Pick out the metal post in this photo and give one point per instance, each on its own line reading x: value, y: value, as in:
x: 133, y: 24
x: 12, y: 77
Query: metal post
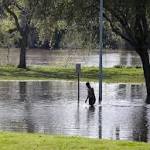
x: 78, y: 87
x: 78, y: 71
x: 100, y: 52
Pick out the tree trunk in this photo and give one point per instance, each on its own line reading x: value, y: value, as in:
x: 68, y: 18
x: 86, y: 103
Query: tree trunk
x: 23, y: 46
x: 57, y: 38
x: 146, y: 68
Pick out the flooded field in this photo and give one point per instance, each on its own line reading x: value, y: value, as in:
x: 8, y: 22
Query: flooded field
x: 71, y: 57
x: 51, y: 107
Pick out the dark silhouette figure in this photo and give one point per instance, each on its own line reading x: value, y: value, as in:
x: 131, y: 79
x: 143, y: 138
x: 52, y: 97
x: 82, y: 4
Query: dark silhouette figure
x: 91, y: 95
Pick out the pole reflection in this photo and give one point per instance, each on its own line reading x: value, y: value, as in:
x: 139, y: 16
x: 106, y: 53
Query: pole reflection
x: 100, y: 122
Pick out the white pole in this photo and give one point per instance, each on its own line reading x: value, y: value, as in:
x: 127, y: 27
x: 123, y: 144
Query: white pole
x: 100, y: 52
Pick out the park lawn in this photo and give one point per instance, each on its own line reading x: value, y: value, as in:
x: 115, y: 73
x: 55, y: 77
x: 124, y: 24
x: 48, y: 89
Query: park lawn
x: 24, y: 141
x: 112, y: 75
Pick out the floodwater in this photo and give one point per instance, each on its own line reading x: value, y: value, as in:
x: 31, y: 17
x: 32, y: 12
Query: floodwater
x: 51, y: 107
x: 70, y: 57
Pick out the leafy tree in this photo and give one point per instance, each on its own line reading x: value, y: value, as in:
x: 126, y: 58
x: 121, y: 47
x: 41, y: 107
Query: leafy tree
x: 25, y: 13
x: 129, y: 19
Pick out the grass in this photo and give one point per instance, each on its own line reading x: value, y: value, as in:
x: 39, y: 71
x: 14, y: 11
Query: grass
x: 23, y: 141
x: 121, y: 74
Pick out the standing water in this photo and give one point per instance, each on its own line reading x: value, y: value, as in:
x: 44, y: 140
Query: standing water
x: 111, y: 58
x: 51, y: 107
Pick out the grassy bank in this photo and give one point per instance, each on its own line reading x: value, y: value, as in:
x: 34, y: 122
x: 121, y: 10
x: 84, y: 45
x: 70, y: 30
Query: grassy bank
x: 16, y: 141
x: 88, y: 73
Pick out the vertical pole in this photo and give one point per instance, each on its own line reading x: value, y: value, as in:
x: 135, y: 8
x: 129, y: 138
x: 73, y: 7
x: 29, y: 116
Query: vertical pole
x: 78, y: 71
x: 78, y: 87
x: 101, y: 48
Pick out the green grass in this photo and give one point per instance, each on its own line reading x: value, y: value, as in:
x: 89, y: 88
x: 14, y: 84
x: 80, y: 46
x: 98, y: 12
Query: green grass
x: 22, y: 141
x: 88, y: 73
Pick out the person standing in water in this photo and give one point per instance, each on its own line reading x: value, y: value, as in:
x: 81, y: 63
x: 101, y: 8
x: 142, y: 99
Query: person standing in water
x: 91, y: 95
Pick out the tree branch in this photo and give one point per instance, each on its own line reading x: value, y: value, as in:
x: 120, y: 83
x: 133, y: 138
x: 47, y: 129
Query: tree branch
x: 13, y: 15
x: 118, y: 32
x: 12, y: 30
x: 33, y: 9
x: 124, y: 23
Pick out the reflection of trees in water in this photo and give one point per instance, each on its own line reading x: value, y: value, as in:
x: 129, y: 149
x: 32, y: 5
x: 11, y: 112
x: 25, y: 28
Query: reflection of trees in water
x: 130, y: 92
x: 14, y: 97
x: 136, y: 91
x: 122, y: 91
x: 120, y: 122
x: 6, y: 91
x: 125, y: 123
x: 45, y: 90
x: 140, y: 132
x: 147, y: 121
x: 28, y: 108
x: 40, y: 91
x: 9, y: 96
x: 23, y: 91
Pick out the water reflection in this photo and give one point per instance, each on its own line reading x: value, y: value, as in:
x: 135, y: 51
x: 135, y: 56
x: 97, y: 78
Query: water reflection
x: 147, y: 121
x: 27, y: 107
x: 130, y: 92
x: 51, y: 107
x: 64, y: 57
x: 125, y: 123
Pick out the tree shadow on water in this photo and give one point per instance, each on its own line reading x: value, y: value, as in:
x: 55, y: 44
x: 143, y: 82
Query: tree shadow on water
x: 28, y: 107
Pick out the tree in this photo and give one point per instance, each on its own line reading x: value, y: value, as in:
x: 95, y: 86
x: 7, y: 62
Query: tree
x: 22, y: 19
x: 24, y: 14
x: 7, y: 38
x: 129, y: 19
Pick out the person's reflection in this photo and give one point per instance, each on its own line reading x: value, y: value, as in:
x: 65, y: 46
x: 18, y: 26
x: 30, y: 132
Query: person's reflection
x: 91, y: 111
x: 90, y: 118
x: 90, y: 114
x: 24, y: 98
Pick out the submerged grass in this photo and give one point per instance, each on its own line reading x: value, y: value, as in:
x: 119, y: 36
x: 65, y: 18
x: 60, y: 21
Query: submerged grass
x: 22, y: 141
x: 88, y: 73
